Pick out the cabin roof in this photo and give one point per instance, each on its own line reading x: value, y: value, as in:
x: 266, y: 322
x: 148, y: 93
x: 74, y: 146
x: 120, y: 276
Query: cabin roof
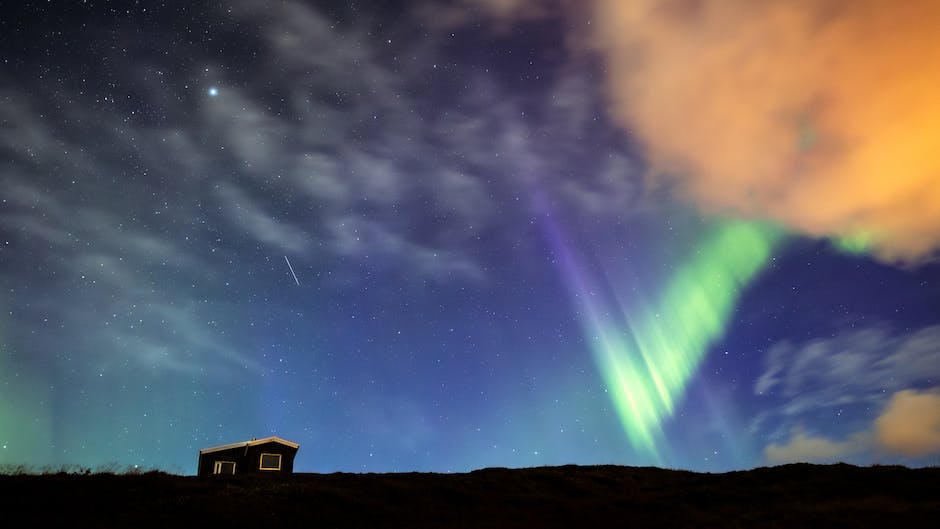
x: 253, y: 442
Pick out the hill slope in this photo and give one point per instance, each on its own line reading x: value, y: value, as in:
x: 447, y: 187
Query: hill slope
x: 571, y: 496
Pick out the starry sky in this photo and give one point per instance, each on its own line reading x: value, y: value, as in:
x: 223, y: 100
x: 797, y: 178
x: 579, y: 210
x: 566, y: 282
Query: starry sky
x: 446, y: 235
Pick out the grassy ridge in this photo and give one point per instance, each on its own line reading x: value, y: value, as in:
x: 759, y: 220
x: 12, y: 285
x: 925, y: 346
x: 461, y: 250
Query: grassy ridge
x: 571, y: 496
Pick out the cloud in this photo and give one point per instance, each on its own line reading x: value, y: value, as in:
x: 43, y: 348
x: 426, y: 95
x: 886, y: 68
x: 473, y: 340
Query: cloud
x: 360, y: 237
x: 852, y: 365
x: 246, y: 213
x: 155, y: 220
x: 254, y: 135
x: 815, y: 449
x: 318, y: 176
x: 116, y: 271
x: 614, y: 188
x: 502, y: 12
x: 910, y: 425
x: 26, y: 133
x: 462, y: 194
x: 510, y: 8
x: 845, y: 373
x: 821, y: 116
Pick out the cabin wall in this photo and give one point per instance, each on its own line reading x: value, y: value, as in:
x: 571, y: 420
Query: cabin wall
x: 247, y: 459
x: 207, y: 461
x: 287, y: 457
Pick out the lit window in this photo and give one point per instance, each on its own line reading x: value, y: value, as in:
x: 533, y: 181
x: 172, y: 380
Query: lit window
x: 224, y: 467
x: 270, y: 462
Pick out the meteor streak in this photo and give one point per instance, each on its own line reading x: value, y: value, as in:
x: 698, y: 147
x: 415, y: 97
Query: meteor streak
x: 292, y: 270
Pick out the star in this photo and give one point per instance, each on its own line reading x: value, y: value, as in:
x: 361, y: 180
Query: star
x: 213, y: 91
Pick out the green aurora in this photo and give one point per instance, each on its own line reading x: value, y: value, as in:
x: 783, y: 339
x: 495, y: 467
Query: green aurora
x: 856, y: 243
x: 646, y: 370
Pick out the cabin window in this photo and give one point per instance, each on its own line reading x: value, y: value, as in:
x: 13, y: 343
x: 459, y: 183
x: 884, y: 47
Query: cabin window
x: 224, y: 467
x: 270, y: 462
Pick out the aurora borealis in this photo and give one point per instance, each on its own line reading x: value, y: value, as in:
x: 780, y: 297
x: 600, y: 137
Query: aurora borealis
x: 647, y: 359
x: 447, y: 235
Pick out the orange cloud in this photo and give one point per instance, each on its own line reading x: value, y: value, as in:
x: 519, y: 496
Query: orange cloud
x: 822, y: 116
x: 815, y: 449
x: 910, y: 424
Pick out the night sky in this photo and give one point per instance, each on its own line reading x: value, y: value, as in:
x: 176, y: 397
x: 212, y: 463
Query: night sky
x: 441, y: 236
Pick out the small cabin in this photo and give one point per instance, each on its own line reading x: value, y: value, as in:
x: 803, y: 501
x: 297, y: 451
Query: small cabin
x: 271, y: 455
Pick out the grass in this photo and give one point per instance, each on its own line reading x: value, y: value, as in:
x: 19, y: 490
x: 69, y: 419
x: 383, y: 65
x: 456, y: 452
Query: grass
x: 569, y: 496
x: 107, y: 468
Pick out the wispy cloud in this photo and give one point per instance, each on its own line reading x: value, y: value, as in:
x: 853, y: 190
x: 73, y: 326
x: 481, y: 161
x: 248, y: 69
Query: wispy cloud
x: 360, y: 237
x: 119, y: 314
x: 502, y: 13
x: 248, y: 215
x: 27, y: 132
x: 334, y: 155
x: 319, y: 176
x: 255, y: 138
x: 853, y: 366
x: 393, y: 164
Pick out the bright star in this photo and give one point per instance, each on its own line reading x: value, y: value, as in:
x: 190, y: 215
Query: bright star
x: 213, y: 91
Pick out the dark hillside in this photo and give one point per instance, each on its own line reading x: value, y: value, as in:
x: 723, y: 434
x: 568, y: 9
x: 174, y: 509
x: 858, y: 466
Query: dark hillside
x: 570, y: 496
